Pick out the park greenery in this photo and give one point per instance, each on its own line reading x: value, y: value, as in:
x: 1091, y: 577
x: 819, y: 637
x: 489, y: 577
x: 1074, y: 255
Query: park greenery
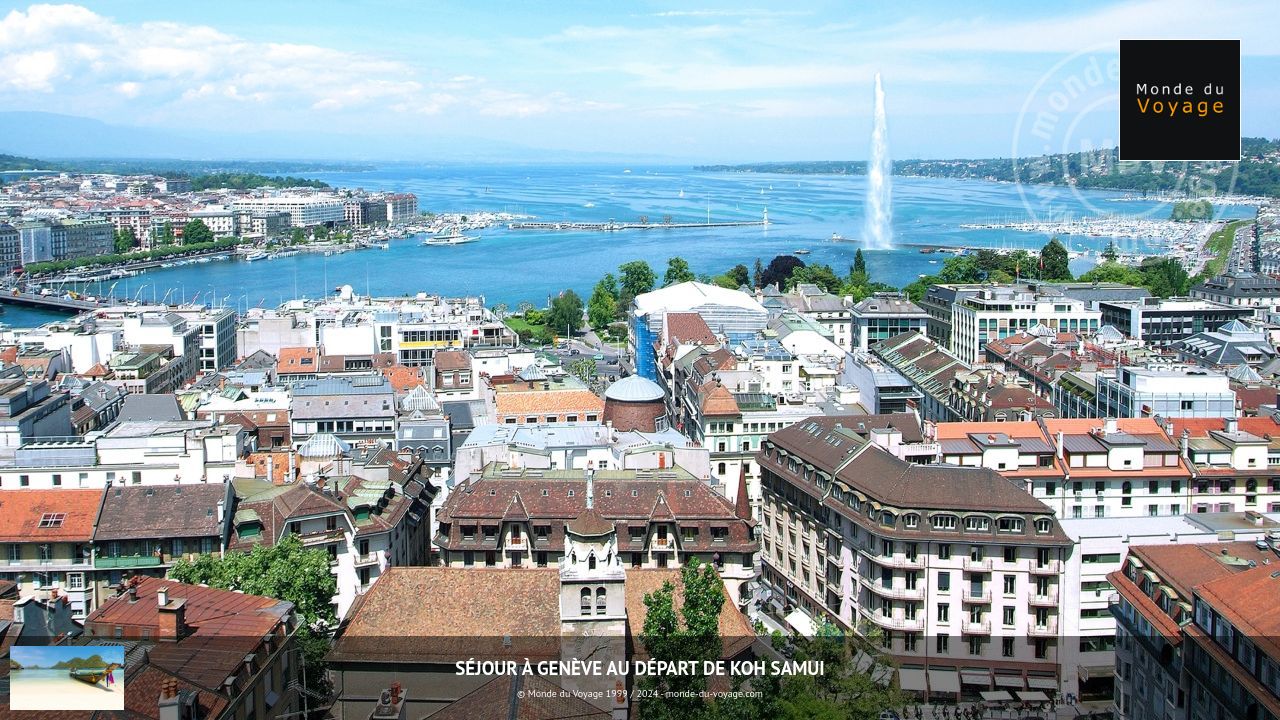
x: 249, y: 181
x: 160, y: 252
x: 288, y: 571
x: 1192, y: 210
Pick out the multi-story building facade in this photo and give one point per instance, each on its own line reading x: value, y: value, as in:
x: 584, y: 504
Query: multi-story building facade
x: 1229, y: 346
x: 1260, y: 293
x: 352, y: 408
x: 10, y: 248
x: 65, y: 238
x: 1163, y: 321
x: 1163, y: 390
x: 882, y: 316
x: 996, y: 312
x: 1194, y: 632
x: 365, y: 524
x: 929, y: 367
x: 957, y: 569
x: 516, y: 517
x: 828, y: 310
x: 401, y: 207
x: 48, y: 543
x: 304, y: 210
x: 1235, y: 463
x: 207, y: 653
x: 133, y: 216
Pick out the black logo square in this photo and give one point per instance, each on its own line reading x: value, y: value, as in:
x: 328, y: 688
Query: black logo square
x: 1179, y: 99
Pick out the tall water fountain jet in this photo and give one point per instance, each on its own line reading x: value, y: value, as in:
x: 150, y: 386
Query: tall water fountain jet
x: 877, y: 234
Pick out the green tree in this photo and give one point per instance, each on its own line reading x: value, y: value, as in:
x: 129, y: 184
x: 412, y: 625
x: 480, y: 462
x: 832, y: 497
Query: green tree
x: 779, y: 271
x: 739, y: 274
x: 668, y: 639
x: 321, y: 232
x: 286, y: 571
x: 859, y: 262
x: 196, y: 232
x: 602, y: 308
x: 166, y: 235
x: 637, y: 278
x: 1110, y: 254
x: 1054, y: 261
x: 584, y: 368
x: 565, y: 313
x: 297, y: 236
x: 1165, y: 277
x: 757, y: 274
x: 677, y: 272
x: 855, y: 682
x: 821, y: 275
x: 125, y: 241
x: 501, y: 310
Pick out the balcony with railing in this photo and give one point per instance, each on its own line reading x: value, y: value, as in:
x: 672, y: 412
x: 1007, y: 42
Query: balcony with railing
x: 981, y: 627
x: 1051, y: 567
x: 1048, y: 628
x: 896, y: 593
x: 663, y: 544
x: 974, y: 595
x: 897, y: 623
x: 983, y: 565
x: 1050, y: 600
x: 368, y: 559
x: 128, y: 561
x: 54, y: 563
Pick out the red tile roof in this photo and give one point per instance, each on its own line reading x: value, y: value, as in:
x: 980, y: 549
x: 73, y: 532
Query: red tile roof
x: 298, y: 360
x: 684, y: 328
x: 59, y: 514
x: 1200, y: 427
x: 403, y: 378
x: 452, y: 360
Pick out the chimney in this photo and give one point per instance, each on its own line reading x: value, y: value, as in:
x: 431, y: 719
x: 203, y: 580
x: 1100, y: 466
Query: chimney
x: 1232, y: 424
x: 173, y: 620
x: 391, y: 704
x: 1110, y: 426
x: 591, y: 486
x: 1058, y: 450
x: 170, y: 704
x: 133, y: 594
x: 162, y: 595
x: 222, y: 510
x: 1185, y: 443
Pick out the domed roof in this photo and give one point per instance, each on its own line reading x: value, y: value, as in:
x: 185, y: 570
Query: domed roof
x: 323, y: 445
x: 634, y: 389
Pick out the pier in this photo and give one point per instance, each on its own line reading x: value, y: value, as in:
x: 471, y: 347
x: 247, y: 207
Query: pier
x: 612, y: 226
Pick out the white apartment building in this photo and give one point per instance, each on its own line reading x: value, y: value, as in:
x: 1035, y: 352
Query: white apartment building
x: 997, y: 312
x: 131, y: 453
x: 304, y: 210
x: 222, y: 222
x: 1165, y: 391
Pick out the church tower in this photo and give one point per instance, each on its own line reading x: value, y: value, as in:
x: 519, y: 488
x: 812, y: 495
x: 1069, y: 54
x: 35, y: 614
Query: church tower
x: 593, y: 605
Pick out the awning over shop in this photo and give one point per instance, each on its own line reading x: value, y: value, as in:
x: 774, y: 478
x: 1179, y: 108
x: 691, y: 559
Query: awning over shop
x: 944, y: 681
x: 801, y: 623
x: 1033, y: 696
x: 1014, y: 681
x: 975, y: 677
x: 911, y: 679
x: 1044, y: 683
x: 996, y: 696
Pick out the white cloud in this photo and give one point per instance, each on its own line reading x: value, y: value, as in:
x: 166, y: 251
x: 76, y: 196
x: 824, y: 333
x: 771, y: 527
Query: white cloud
x: 202, y: 72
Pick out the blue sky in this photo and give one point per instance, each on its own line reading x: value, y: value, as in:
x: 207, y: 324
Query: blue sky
x: 47, y: 657
x: 688, y: 80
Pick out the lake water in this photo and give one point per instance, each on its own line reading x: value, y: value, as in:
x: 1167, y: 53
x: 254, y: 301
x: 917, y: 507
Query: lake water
x: 514, y: 265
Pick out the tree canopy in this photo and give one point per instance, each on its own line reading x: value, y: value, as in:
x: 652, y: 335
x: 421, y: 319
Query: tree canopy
x: 677, y: 272
x: 1054, y: 261
x: 779, y: 271
x: 602, y: 308
x: 196, y: 232
x: 565, y: 313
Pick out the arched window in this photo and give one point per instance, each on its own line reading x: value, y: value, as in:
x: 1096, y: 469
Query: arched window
x: 600, y: 601
x: 586, y: 601
x: 1126, y: 488
x: 591, y: 561
x: 1251, y: 485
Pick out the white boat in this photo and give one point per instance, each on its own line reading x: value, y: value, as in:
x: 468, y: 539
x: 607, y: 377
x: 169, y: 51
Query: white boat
x: 802, y: 252
x: 452, y: 238
x: 589, y: 205
x: 836, y: 237
x: 255, y: 255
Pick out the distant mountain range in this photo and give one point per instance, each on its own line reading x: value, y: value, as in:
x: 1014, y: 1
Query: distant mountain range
x: 1258, y: 170
x: 53, y: 136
